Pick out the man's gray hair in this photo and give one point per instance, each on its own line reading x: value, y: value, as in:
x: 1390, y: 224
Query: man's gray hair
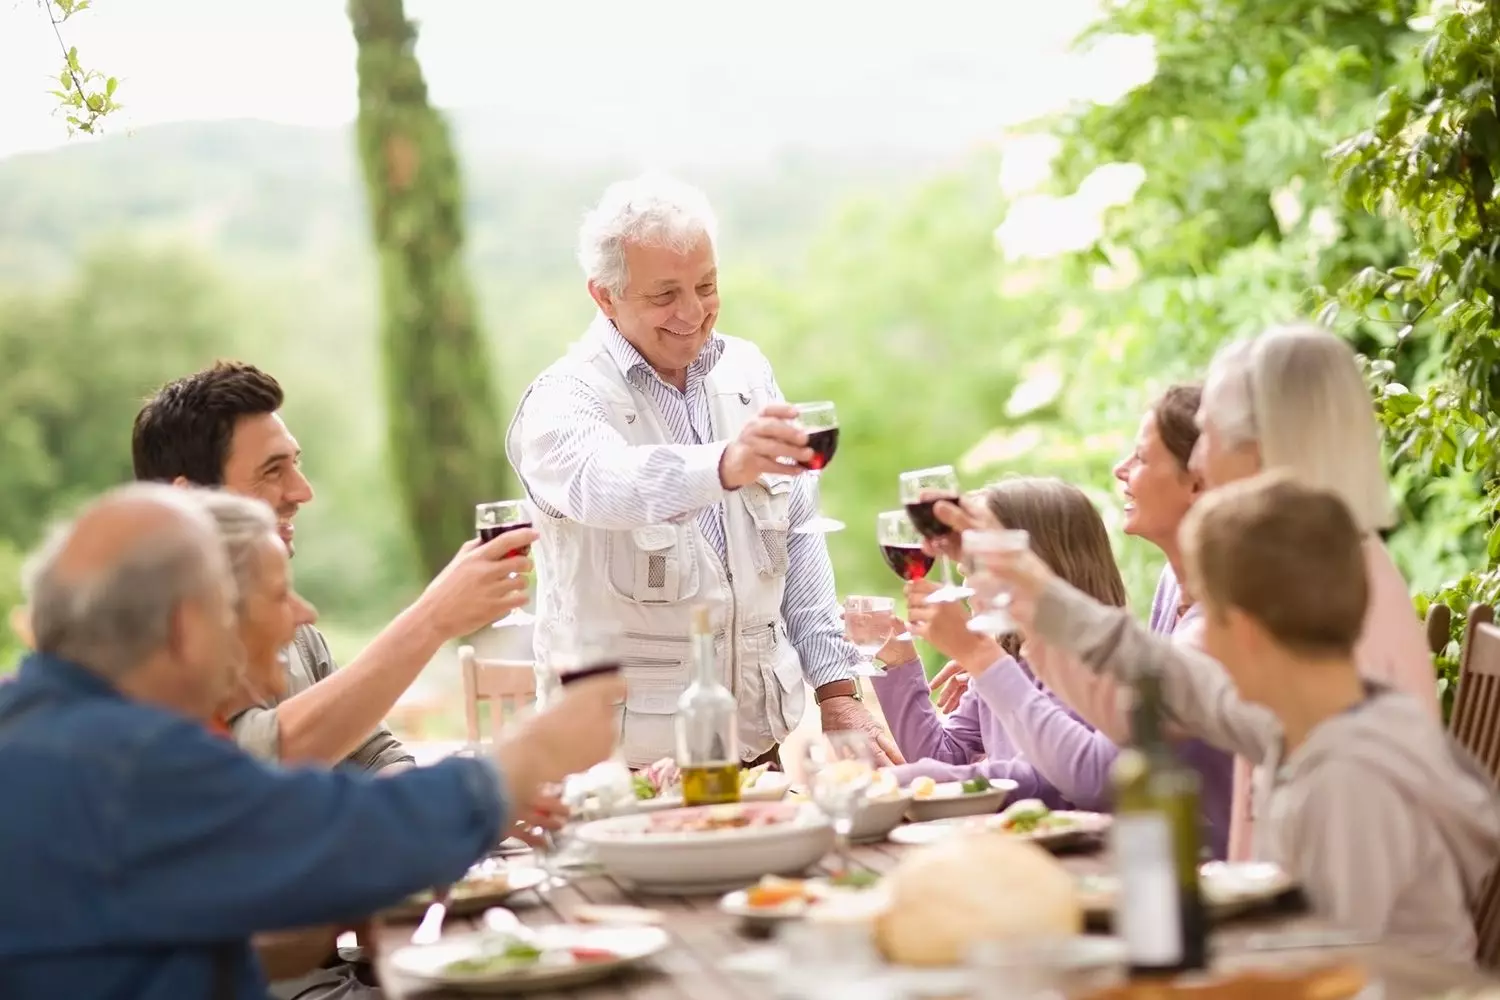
x: 651, y: 210
x: 243, y: 524
x: 112, y: 621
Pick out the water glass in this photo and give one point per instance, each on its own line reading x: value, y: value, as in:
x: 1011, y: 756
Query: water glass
x: 869, y: 622
x: 996, y: 618
x: 839, y: 767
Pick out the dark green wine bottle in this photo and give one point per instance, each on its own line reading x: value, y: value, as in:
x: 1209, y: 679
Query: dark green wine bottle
x: 1159, y: 910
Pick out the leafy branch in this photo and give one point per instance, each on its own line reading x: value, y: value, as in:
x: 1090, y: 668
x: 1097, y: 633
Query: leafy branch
x: 85, y: 96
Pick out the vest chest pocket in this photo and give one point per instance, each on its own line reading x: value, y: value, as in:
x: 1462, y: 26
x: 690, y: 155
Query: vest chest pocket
x: 656, y: 564
x: 768, y: 501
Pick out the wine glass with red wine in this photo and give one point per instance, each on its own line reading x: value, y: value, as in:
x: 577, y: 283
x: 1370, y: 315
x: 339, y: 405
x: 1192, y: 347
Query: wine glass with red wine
x: 901, y: 548
x: 492, y: 520
x: 821, y: 422
x: 921, y: 489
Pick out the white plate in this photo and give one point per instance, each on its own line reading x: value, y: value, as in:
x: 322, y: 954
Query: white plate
x: 949, y: 801
x: 1228, y: 887
x: 474, y: 897
x: 1083, y: 825
x: 737, y: 903
x: 429, y: 963
x: 658, y: 861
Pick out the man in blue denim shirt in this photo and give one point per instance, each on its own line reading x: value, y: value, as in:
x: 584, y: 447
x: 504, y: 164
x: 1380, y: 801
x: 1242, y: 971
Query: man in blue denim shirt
x: 142, y: 851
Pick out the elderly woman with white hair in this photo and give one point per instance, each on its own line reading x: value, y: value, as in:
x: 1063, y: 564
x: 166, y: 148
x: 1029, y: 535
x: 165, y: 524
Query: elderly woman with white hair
x: 1292, y: 399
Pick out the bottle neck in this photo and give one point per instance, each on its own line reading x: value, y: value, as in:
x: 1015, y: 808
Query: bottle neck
x: 1147, y: 714
x: 705, y: 659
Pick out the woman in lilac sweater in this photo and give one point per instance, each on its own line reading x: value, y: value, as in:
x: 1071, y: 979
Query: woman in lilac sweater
x: 1007, y: 725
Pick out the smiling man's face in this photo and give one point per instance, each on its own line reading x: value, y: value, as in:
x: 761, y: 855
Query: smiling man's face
x: 265, y: 462
x: 670, y: 304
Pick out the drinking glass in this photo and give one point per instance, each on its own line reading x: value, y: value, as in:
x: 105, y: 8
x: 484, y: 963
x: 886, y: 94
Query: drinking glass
x: 839, y: 767
x: 870, y: 622
x: 921, y: 489
x: 994, y: 619
x: 901, y: 548
x: 821, y: 422
x: 493, y: 520
x: 578, y: 653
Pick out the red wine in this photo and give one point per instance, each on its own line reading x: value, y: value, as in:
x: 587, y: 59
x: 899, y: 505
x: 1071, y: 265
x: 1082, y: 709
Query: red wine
x: 823, y: 443
x: 494, y: 531
x: 602, y: 669
x: 908, y: 562
x: 925, y: 521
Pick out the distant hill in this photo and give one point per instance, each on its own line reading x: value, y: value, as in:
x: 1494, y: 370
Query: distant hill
x: 255, y: 192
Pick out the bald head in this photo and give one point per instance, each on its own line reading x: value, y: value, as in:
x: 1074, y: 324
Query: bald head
x: 107, y: 589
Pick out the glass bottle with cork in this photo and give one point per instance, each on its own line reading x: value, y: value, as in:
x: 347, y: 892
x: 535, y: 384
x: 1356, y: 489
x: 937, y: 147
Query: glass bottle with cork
x: 1159, y: 911
x: 707, y: 726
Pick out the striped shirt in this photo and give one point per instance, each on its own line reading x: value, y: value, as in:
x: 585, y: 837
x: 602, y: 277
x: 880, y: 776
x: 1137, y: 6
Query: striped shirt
x: 595, y: 478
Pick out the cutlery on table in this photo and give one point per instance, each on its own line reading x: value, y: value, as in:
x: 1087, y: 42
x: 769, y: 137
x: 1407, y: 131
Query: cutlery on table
x: 431, y: 927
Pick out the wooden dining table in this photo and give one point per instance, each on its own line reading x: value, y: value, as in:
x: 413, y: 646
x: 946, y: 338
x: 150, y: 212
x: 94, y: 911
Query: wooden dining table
x: 703, y: 937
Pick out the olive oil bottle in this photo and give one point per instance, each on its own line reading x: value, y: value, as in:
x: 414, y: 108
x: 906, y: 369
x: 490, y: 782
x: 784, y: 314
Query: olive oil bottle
x: 1159, y: 911
x: 707, y: 726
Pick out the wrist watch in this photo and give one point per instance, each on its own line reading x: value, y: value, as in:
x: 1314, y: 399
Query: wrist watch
x: 838, y: 689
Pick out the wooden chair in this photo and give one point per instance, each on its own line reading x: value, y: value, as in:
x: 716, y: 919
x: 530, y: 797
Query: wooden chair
x: 1476, y: 725
x: 507, y: 685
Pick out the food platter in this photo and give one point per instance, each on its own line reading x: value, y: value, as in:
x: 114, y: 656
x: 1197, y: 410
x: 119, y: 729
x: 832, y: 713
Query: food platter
x: 487, y: 884
x: 555, y: 957
x: 693, y: 850
x: 1229, y: 888
x: 1027, y: 820
x: 945, y: 800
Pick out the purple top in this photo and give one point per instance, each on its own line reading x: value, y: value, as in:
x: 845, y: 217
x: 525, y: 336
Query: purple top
x: 971, y: 741
x: 1215, y: 767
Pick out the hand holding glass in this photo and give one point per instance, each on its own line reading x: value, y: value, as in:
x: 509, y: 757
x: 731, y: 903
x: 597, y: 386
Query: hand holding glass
x: 920, y: 492
x: 492, y: 520
x: 994, y: 619
x: 869, y: 622
x: 821, y: 422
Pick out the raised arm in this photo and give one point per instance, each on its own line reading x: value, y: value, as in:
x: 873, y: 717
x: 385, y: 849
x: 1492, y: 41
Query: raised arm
x: 575, y: 463
x: 1073, y: 758
x: 285, y: 848
x: 1198, y: 693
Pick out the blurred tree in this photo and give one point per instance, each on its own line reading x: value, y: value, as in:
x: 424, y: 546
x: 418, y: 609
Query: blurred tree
x: 1430, y: 160
x: 445, y: 434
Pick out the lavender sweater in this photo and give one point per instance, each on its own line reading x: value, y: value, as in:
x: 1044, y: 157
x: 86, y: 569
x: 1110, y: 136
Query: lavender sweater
x: 972, y: 740
x: 1215, y: 767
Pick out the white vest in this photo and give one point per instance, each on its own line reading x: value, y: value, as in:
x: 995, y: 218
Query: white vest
x: 650, y: 577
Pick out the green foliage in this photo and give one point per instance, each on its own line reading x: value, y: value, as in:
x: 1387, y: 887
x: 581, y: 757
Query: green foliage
x: 1429, y: 160
x: 446, y: 435
x: 84, y: 96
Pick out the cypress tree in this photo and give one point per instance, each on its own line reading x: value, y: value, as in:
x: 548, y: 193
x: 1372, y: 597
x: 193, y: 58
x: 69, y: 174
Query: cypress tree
x: 444, y: 433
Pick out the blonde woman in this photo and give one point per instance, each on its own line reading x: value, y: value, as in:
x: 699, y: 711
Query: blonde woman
x: 1293, y: 399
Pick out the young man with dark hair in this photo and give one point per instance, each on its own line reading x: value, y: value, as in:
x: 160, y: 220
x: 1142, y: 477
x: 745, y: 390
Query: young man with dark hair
x: 1387, y: 824
x: 222, y: 427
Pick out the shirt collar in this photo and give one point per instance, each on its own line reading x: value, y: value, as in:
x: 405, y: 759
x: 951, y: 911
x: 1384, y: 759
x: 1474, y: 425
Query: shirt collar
x: 54, y: 672
x: 633, y: 365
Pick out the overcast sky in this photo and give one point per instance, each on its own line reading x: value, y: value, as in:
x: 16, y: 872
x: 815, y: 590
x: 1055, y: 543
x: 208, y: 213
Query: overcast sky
x: 650, y: 72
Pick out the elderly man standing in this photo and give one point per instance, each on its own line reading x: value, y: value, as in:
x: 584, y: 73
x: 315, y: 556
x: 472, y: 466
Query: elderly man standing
x: 658, y: 453
x: 145, y: 851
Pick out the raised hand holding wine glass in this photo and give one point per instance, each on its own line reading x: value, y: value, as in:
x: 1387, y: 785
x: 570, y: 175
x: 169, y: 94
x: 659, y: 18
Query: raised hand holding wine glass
x: 820, y: 421
x: 491, y: 520
x: 921, y: 491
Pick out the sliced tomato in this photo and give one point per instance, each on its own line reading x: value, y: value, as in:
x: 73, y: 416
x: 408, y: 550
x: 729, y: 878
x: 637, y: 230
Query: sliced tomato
x: 592, y: 954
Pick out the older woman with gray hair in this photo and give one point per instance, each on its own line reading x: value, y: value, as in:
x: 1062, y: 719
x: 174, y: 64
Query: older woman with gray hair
x: 268, y: 610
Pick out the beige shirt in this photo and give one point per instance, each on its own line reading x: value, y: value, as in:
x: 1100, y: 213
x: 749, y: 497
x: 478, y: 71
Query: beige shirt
x: 308, y: 660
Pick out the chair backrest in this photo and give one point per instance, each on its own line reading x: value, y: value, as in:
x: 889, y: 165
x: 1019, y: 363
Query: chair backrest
x: 1475, y: 723
x: 508, y: 685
